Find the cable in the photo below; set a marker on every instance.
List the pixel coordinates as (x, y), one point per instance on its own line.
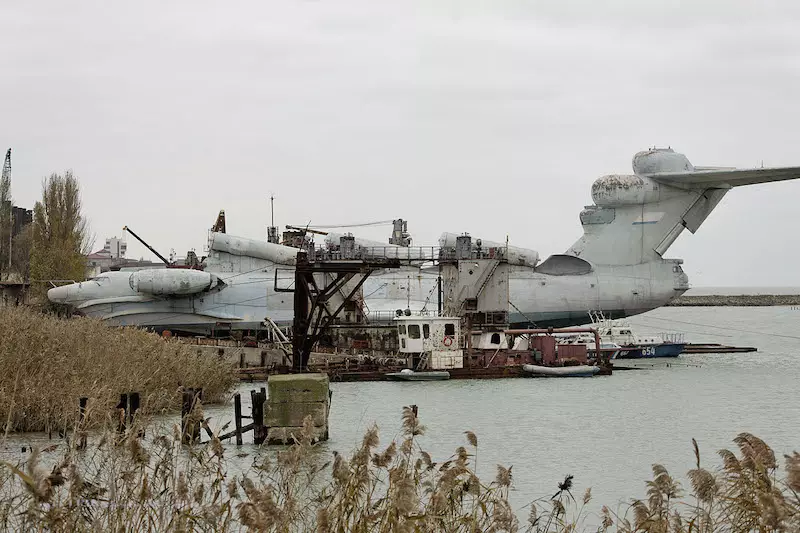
(333, 226)
(725, 328)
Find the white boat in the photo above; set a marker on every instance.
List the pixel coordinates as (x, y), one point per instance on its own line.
(634, 346)
(410, 375)
(562, 371)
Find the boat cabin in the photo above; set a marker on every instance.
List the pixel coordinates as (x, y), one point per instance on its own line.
(431, 341)
(624, 336)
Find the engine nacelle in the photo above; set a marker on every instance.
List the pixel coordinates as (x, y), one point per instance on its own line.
(658, 160)
(620, 189)
(172, 281)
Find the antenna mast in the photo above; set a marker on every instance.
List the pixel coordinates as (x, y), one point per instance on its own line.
(272, 230)
(7, 179)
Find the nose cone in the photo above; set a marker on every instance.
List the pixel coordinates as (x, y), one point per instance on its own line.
(58, 295)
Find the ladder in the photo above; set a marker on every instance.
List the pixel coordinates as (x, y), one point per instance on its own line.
(284, 344)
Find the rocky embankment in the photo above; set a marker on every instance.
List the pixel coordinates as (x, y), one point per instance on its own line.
(742, 300)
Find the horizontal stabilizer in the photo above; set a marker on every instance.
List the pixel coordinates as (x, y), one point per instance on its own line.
(724, 179)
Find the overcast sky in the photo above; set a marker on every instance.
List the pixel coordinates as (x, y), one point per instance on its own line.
(488, 117)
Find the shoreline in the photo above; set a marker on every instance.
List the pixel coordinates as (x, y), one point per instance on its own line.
(738, 300)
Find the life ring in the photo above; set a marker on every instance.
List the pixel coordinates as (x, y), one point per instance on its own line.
(447, 340)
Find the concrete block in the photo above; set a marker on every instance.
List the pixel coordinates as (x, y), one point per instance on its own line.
(294, 388)
(288, 414)
(284, 435)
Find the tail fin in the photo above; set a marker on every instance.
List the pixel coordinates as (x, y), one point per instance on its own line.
(636, 218)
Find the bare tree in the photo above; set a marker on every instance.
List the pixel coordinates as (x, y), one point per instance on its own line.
(60, 236)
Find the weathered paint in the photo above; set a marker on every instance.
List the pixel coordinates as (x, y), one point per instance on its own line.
(172, 282)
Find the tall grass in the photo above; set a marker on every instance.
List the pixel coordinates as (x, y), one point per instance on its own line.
(47, 364)
(157, 485)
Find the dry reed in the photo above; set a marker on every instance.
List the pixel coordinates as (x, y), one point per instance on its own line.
(47, 364)
(158, 485)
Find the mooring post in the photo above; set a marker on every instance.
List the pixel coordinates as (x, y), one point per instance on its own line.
(81, 417)
(189, 423)
(133, 405)
(237, 417)
(242, 363)
(414, 410)
(134, 401)
(122, 412)
(259, 431)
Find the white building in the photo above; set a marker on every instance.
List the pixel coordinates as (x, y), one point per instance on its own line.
(115, 247)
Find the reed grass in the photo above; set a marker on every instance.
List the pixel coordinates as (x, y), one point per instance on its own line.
(48, 363)
(133, 484)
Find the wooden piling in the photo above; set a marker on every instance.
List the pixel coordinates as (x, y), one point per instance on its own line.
(242, 362)
(189, 424)
(259, 431)
(237, 417)
(133, 406)
(122, 413)
(82, 403)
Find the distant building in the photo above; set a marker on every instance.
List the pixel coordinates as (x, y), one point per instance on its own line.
(115, 247)
(20, 217)
(112, 257)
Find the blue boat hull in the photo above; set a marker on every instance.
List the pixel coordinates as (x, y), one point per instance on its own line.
(647, 352)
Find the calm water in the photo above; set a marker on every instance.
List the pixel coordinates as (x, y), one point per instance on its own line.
(606, 431)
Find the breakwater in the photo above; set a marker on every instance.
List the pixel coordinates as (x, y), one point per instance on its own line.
(740, 300)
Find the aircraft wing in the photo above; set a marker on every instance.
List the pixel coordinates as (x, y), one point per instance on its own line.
(725, 178)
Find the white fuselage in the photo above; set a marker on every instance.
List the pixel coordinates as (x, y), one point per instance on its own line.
(616, 267)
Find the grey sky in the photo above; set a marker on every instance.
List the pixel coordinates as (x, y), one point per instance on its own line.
(488, 117)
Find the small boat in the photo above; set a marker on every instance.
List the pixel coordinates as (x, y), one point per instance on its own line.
(580, 371)
(633, 346)
(410, 375)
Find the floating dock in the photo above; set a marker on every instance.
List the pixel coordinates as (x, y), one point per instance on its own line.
(380, 374)
(716, 348)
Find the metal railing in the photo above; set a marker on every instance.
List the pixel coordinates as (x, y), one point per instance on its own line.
(389, 316)
(421, 254)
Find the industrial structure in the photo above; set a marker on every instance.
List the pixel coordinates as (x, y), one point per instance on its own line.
(14, 281)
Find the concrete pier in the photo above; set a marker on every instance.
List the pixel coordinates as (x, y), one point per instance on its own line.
(293, 397)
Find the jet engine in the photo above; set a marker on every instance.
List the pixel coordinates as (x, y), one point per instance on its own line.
(619, 189)
(638, 188)
(173, 282)
(658, 160)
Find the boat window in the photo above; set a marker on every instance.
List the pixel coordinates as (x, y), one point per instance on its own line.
(625, 332)
(403, 342)
(426, 331)
(449, 330)
(402, 329)
(495, 338)
(413, 331)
